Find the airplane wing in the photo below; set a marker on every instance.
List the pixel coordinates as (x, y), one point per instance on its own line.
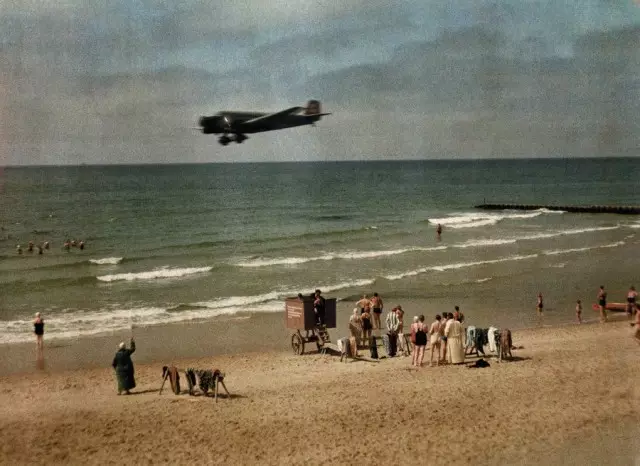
(270, 117)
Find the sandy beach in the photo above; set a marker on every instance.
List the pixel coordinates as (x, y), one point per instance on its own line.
(570, 396)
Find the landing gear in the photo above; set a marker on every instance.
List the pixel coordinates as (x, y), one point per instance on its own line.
(238, 138)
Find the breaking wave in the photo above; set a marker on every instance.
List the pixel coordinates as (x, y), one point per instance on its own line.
(164, 272)
(107, 261)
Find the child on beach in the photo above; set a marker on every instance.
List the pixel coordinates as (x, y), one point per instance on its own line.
(579, 311)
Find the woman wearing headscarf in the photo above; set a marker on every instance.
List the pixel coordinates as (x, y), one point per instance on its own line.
(123, 366)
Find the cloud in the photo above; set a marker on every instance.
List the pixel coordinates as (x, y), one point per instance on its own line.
(124, 81)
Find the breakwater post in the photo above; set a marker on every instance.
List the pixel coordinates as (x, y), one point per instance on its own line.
(594, 209)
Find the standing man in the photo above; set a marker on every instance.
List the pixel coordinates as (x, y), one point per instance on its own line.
(377, 305)
(393, 324)
(318, 307)
(602, 303)
(632, 295)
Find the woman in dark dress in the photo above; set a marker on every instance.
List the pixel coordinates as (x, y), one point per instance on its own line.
(123, 365)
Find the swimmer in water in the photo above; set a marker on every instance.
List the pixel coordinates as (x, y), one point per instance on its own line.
(39, 249)
(539, 304)
(632, 306)
(579, 311)
(19, 249)
(67, 245)
(30, 247)
(46, 244)
(81, 245)
(439, 231)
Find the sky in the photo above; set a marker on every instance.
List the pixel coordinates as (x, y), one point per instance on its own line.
(125, 81)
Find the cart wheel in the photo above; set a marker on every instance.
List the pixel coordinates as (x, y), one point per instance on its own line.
(296, 344)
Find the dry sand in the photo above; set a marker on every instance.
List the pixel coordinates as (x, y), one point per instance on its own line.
(572, 396)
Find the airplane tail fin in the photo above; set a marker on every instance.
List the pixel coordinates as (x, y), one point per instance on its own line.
(314, 110)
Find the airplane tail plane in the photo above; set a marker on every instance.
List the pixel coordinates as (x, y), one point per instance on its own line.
(314, 110)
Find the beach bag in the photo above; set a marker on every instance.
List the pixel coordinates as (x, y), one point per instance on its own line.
(373, 347)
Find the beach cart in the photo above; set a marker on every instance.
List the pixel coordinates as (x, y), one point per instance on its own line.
(300, 316)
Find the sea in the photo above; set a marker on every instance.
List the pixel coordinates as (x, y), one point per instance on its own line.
(174, 243)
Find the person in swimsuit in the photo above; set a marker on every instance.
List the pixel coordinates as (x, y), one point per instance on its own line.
(602, 303)
(439, 231)
(364, 304)
(636, 334)
(446, 316)
(579, 311)
(421, 341)
(38, 329)
(402, 342)
(376, 304)
(632, 306)
(366, 326)
(539, 304)
(435, 333)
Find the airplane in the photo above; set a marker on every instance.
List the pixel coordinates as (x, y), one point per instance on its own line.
(234, 126)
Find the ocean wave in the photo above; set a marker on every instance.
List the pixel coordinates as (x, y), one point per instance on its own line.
(349, 255)
(71, 324)
(587, 248)
(458, 265)
(484, 242)
(475, 219)
(164, 272)
(106, 261)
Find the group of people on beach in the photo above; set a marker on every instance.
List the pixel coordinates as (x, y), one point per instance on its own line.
(631, 305)
(41, 247)
(445, 334)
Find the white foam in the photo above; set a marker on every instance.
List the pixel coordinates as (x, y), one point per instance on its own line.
(475, 219)
(484, 242)
(458, 265)
(164, 272)
(346, 255)
(106, 261)
(587, 248)
(76, 323)
(547, 211)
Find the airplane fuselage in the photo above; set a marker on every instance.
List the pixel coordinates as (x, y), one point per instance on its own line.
(228, 122)
(234, 125)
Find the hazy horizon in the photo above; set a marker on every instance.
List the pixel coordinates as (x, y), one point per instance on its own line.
(125, 83)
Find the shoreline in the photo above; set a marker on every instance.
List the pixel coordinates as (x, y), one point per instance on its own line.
(232, 335)
(566, 388)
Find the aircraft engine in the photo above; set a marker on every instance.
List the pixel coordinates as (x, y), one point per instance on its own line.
(211, 124)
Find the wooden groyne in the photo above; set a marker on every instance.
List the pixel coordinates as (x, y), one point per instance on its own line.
(593, 209)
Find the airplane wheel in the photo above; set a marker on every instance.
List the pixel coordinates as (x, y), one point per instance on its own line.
(240, 138)
(224, 140)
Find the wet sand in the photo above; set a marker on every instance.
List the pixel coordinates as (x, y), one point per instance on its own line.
(571, 393)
